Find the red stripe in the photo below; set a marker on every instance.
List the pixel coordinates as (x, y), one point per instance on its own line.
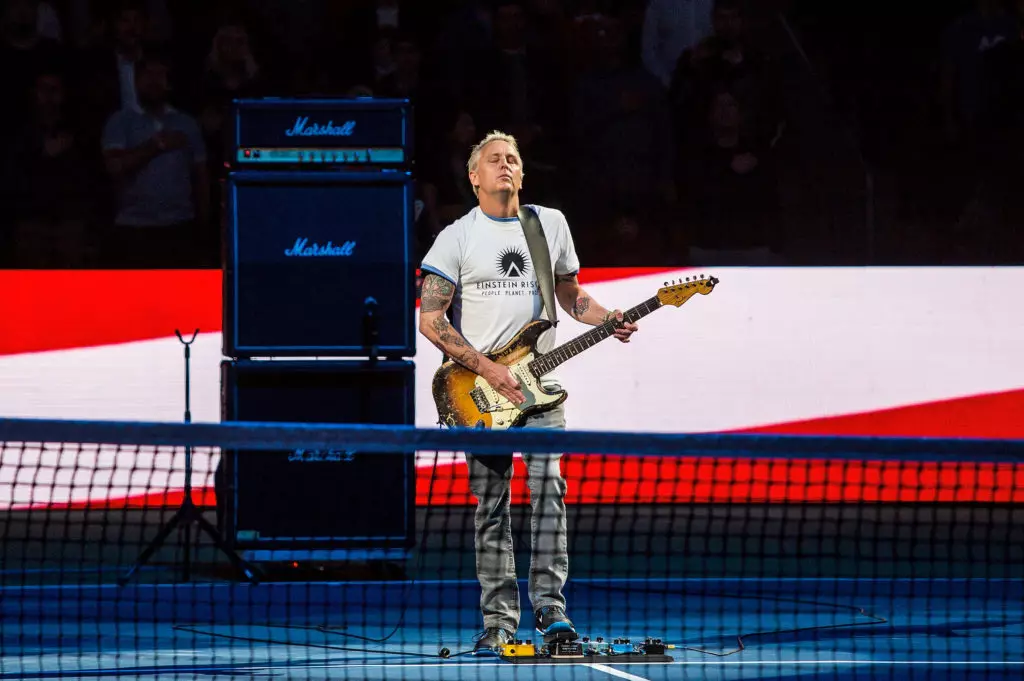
(57, 310)
(635, 480)
(995, 415)
(65, 309)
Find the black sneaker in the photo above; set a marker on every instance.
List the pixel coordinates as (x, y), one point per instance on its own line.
(554, 625)
(491, 640)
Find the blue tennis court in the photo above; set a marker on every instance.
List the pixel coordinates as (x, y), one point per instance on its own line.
(721, 629)
(909, 564)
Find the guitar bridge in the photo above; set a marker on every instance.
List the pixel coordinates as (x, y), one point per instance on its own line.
(479, 399)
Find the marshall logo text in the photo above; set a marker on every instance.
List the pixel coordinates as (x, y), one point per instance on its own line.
(304, 249)
(302, 128)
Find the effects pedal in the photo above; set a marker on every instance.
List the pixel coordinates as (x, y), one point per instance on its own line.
(621, 646)
(566, 649)
(518, 649)
(653, 646)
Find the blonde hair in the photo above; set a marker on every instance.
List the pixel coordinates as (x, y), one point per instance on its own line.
(494, 136)
(213, 61)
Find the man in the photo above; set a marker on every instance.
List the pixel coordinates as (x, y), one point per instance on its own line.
(670, 28)
(482, 263)
(157, 158)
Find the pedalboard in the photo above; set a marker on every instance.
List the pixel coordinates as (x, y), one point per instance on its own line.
(587, 651)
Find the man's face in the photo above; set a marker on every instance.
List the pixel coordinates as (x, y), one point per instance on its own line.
(129, 28)
(498, 170)
(510, 26)
(233, 44)
(464, 131)
(152, 83)
(728, 23)
(725, 112)
(49, 92)
(407, 56)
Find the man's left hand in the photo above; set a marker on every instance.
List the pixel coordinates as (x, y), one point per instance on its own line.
(623, 329)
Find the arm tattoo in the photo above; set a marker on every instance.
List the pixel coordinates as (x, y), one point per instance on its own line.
(437, 293)
(565, 279)
(449, 338)
(582, 305)
(446, 334)
(469, 359)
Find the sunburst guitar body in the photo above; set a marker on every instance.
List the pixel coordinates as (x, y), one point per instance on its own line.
(465, 399)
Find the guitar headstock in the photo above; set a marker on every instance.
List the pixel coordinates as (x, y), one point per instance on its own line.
(678, 292)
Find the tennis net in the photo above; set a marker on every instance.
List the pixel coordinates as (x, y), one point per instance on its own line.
(823, 557)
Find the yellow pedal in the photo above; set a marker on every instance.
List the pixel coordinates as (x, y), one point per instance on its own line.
(518, 649)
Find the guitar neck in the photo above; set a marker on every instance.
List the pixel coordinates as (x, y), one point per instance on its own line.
(566, 351)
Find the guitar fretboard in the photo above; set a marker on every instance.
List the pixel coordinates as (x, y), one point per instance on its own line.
(566, 351)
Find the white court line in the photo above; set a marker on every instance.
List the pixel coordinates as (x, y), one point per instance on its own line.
(748, 663)
(615, 672)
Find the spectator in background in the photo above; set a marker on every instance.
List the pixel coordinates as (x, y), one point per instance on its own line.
(109, 84)
(24, 53)
(447, 192)
(974, 48)
(50, 175)
(397, 61)
(670, 28)
(622, 153)
(157, 159)
(48, 22)
(231, 71)
(966, 83)
(727, 59)
(729, 190)
(515, 84)
(465, 32)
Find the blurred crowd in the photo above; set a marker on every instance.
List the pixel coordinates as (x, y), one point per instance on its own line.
(671, 132)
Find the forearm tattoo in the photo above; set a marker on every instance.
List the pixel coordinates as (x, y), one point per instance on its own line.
(448, 339)
(581, 305)
(446, 334)
(469, 359)
(436, 294)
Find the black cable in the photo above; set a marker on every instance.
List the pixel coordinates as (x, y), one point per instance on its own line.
(444, 652)
(252, 639)
(775, 599)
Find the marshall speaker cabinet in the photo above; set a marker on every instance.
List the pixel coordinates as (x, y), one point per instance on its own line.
(319, 264)
(300, 499)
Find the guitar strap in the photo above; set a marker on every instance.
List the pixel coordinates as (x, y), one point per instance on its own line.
(541, 257)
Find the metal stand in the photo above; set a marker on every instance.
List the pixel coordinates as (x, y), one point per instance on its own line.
(189, 513)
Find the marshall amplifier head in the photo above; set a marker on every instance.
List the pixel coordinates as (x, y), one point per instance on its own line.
(314, 133)
(301, 498)
(319, 264)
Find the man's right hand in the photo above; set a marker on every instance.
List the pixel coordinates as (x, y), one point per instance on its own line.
(501, 379)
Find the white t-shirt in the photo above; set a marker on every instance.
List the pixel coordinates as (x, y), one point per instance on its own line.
(496, 289)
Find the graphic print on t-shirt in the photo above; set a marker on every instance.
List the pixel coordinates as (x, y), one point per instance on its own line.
(513, 263)
(489, 262)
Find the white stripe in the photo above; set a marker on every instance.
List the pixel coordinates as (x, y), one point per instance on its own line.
(699, 663)
(603, 668)
(615, 672)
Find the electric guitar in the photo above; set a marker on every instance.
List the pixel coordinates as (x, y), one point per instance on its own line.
(464, 398)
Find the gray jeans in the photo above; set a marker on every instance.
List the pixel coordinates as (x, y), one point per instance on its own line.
(490, 479)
